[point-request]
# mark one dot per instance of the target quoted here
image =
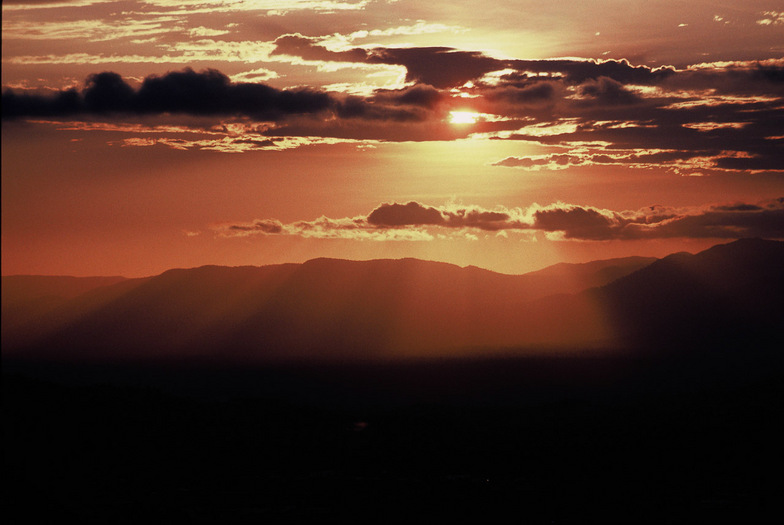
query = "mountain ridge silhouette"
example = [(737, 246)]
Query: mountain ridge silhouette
[(387, 308)]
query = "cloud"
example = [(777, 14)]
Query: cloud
[(420, 95), (449, 216), (419, 28), (271, 7), (577, 222), (270, 226), (720, 118), (412, 213), (715, 117), (764, 219), (771, 18), (226, 144), (731, 136), (417, 221), (177, 52), (608, 92), (709, 118), (528, 94), (209, 92), (445, 67), (540, 162), (579, 71), (441, 67), (91, 30), (13, 5), (309, 48)]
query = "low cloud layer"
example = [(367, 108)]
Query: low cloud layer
[(417, 221)]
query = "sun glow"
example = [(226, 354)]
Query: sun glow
[(463, 117)]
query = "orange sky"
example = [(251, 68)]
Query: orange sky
[(142, 135)]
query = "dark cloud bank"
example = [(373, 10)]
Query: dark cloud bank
[(712, 117), (212, 93), (196, 93)]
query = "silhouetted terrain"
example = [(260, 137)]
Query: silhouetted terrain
[(678, 424), (29, 297), (323, 308), (332, 309), (729, 295)]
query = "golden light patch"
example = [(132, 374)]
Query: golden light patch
[(463, 117)]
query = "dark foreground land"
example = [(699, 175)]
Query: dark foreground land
[(561, 440)]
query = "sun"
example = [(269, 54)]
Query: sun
[(463, 117)]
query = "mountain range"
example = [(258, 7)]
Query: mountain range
[(729, 296)]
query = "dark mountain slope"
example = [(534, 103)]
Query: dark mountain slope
[(34, 305), (570, 278), (323, 307), (26, 296), (25, 287), (728, 295)]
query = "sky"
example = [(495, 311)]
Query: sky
[(143, 135)]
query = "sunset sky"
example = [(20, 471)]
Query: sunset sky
[(142, 135)]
